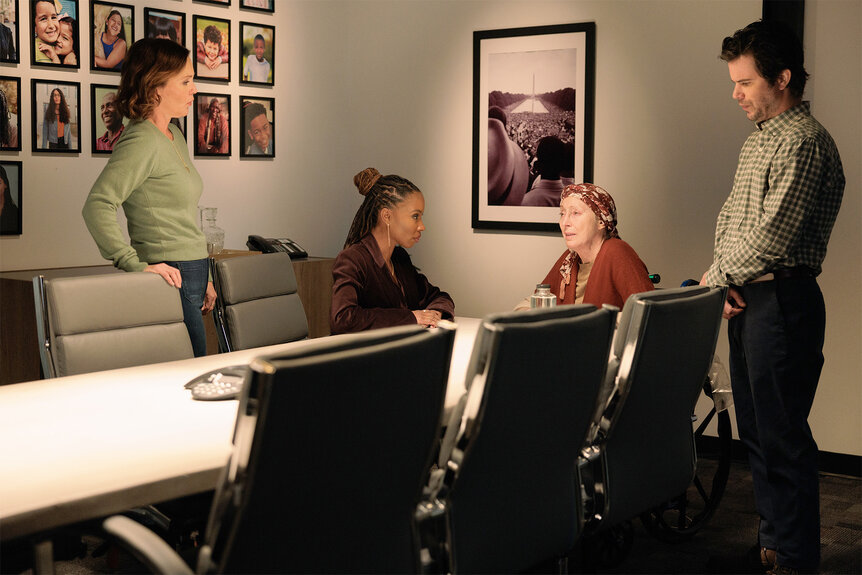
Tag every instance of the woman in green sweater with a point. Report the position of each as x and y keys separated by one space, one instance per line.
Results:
x=151 y=176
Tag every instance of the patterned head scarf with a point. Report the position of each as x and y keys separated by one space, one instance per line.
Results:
x=602 y=204
x=599 y=200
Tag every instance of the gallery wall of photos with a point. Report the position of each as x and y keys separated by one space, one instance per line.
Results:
x=72 y=47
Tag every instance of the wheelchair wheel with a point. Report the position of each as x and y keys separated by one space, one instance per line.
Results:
x=679 y=519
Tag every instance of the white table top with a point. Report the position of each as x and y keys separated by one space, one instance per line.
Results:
x=85 y=446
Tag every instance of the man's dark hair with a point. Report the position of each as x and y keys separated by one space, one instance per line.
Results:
x=550 y=157
x=252 y=111
x=774 y=47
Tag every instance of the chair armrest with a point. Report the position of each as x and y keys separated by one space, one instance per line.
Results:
x=146 y=546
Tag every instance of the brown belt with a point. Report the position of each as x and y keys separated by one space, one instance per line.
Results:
x=785 y=274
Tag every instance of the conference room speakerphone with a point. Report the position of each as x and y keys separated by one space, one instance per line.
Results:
x=218 y=384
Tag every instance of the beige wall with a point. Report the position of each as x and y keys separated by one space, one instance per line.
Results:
x=389 y=84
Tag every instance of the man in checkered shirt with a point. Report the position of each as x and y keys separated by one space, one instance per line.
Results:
x=770 y=241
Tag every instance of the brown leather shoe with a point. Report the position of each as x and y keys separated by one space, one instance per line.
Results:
x=779 y=570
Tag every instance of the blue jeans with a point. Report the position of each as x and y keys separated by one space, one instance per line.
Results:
x=775 y=360
x=195 y=275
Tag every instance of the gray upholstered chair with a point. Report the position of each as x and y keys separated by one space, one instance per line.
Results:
x=510 y=494
x=332 y=444
x=99 y=322
x=257 y=302
x=640 y=451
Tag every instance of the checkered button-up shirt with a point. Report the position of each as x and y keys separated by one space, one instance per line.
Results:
x=786 y=194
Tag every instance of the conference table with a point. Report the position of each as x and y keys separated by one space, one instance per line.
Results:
x=86 y=446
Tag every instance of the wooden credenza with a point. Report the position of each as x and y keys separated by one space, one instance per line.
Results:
x=19 y=345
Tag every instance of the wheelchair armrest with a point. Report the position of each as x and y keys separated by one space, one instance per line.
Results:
x=146 y=546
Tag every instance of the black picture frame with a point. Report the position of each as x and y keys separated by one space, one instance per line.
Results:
x=10 y=37
x=10 y=113
x=203 y=71
x=216 y=2
x=249 y=117
x=12 y=206
x=101 y=11
x=207 y=139
x=249 y=35
x=64 y=30
x=166 y=24
x=103 y=141
x=41 y=91
x=523 y=77
x=259 y=5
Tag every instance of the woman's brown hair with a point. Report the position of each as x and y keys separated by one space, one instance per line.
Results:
x=149 y=63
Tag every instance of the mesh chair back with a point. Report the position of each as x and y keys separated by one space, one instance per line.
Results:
x=344 y=435
x=665 y=345
x=99 y=322
x=257 y=302
x=514 y=500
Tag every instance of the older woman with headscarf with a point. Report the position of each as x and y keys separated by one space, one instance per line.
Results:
x=597 y=266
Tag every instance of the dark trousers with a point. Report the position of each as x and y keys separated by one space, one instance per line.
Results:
x=776 y=354
x=194 y=274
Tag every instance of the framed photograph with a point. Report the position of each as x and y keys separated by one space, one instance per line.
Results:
x=55 y=33
x=165 y=24
x=533 y=118
x=10 y=198
x=212 y=49
x=56 y=116
x=261 y=5
x=258 y=49
x=9 y=36
x=10 y=115
x=257 y=118
x=113 y=34
x=218 y=2
x=108 y=122
x=212 y=124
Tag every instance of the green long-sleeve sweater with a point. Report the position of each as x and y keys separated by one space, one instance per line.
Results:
x=154 y=181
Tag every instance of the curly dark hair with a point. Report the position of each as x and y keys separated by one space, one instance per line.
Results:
x=774 y=47
x=50 y=109
x=149 y=64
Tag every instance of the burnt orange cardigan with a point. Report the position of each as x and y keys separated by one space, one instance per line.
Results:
x=617 y=273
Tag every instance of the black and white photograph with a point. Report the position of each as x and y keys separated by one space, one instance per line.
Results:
x=10 y=198
x=212 y=124
x=9 y=36
x=113 y=32
x=10 y=117
x=261 y=5
x=533 y=122
x=257 y=118
x=165 y=24
x=55 y=33
x=56 y=116
x=108 y=121
x=258 y=50
x=212 y=49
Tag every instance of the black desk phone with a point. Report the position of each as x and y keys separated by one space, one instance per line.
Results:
x=274 y=245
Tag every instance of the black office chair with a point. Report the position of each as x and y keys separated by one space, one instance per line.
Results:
x=109 y=321
x=257 y=302
x=331 y=448
x=511 y=497
x=641 y=450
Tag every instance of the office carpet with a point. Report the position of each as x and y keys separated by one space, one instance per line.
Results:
x=729 y=533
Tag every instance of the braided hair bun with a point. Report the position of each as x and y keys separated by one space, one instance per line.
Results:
x=365 y=180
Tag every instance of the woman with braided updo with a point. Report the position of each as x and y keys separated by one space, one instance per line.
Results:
x=374 y=282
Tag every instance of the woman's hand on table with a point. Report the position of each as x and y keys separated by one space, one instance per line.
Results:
x=427 y=317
